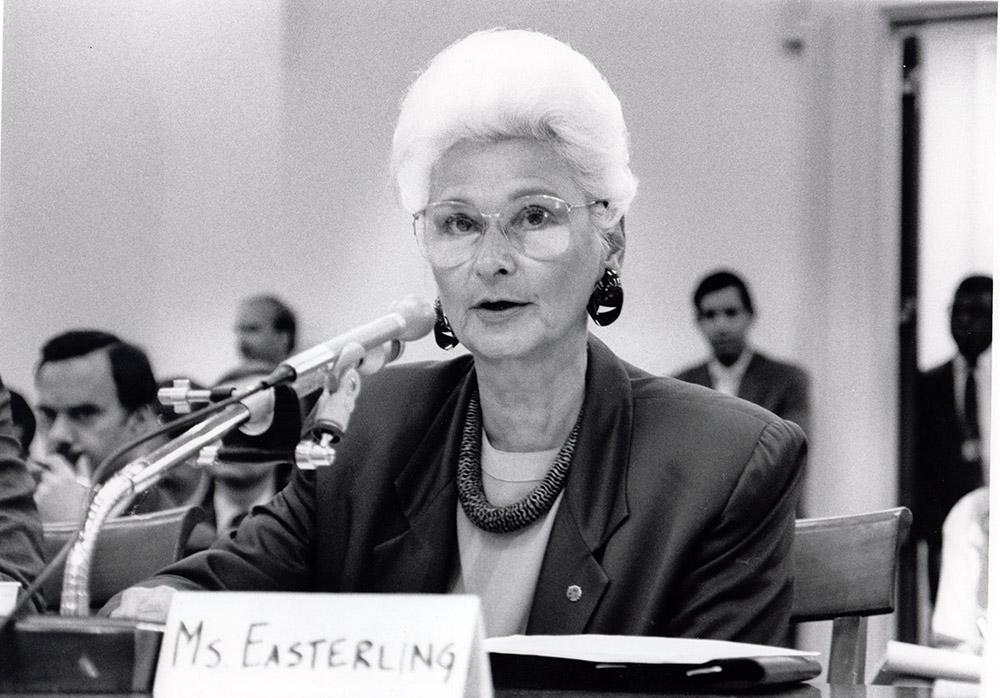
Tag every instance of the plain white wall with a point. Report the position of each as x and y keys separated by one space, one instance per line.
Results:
x=957 y=103
x=163 y=158
x=167 y=158
x=141 y=169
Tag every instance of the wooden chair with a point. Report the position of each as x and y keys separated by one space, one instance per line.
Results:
x=129 y=549
x=845 y=570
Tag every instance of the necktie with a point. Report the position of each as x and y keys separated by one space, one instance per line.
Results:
x=971 y=404
x=970 y=418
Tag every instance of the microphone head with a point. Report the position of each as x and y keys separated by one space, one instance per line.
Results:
x=417 y=314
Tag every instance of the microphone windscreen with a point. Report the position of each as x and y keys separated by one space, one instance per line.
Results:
x=278 y=442
x=417 y=314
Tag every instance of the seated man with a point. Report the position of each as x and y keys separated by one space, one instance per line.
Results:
x=265 y=330
x=21 y=552
x=248 y=470
x=23 y=422
x=229 y=491
x=96 y=393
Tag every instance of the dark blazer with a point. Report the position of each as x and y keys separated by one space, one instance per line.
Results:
x=21 y=556
x=780 y=387
x=677 y=518
x=942 y=476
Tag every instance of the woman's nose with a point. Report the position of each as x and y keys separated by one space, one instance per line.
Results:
x=495 y=253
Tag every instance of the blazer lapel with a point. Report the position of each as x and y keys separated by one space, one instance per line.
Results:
x=423 y=557
x=703 y=376
x=572 y=581
x=752 y=385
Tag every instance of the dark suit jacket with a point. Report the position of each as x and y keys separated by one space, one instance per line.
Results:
x=780 y=387
x=21 y=556
x=942 y=476
x=677 y=518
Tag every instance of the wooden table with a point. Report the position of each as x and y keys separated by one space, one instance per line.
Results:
x=799 y=691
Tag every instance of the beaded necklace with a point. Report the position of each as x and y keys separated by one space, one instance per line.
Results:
x=470 y=479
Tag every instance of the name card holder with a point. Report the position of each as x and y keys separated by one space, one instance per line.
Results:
x=267 y=644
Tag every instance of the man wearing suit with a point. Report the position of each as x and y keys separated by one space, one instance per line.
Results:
x=21 y=553
x=265 y=330
x=724 y=313
x=953 y=410
x=95 y=394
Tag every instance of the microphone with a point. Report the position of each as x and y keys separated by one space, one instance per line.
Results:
x=408 y=319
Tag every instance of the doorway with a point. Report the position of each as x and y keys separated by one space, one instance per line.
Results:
x=947 y=222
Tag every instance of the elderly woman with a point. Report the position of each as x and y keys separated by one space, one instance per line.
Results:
x=571 y=491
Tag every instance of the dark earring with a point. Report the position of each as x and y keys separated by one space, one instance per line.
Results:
x=443 y=334
x=607 y=299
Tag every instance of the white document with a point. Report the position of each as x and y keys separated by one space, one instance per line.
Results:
x=633 y=649
x=8 y=597
x=905 y=659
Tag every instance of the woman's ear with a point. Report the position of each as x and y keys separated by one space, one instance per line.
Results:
x=615 y=238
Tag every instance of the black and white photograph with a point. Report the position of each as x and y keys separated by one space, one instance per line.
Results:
x=523 y=348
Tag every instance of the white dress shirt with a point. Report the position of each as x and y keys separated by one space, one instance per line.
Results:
x=960 y=610
x=727 y=379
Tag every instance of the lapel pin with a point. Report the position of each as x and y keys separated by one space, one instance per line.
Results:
x=574 y=593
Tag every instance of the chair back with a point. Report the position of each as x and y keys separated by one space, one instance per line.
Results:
x=845 y=570
x=129 y=549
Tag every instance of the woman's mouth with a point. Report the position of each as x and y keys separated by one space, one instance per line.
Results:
x=498 y=305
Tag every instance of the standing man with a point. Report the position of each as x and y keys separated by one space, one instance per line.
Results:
x=724 y=313
x=265 y=330
x=96 y=393
x=953 y=419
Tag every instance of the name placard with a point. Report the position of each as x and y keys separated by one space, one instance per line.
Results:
x=296 y=644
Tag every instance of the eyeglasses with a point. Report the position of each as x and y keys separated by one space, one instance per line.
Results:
x=536 y=225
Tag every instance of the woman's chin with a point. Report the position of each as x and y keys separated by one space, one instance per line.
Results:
x=498 y=344
x=523 y=346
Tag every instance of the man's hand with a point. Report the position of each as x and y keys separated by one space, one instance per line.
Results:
x=139 y=603
x=60 y=494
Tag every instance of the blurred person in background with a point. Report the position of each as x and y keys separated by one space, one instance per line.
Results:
x=953 y=419
x=265 y=330
x=724 y=313
x=22 y=556
x=959 y=620
x=247 y=470
x=24 y=422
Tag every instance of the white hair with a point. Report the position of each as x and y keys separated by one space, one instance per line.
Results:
x=500 y=84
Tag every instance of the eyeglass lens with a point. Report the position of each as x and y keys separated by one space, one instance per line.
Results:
x=537 y=225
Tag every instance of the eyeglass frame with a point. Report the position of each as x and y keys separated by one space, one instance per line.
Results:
x=486 y=217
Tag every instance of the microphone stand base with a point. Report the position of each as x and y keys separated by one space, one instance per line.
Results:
x=64 y=654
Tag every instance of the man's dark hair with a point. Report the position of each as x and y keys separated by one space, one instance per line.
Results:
x=23 y=417
x=134 y=381
x=283 y=318
x=718 y=280
x=977 y=283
